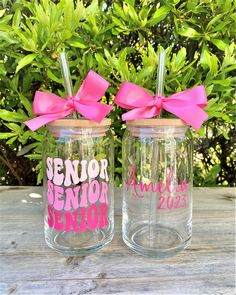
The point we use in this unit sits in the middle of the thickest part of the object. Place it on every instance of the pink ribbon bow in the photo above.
(187, 105)
(51, 107)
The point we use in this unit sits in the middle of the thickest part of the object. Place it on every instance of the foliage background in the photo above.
(120, 40)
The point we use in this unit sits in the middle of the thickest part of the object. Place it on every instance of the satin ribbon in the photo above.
(51, 107)
(187, 105)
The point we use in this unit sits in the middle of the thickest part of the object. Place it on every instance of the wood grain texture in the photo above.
(28, 266)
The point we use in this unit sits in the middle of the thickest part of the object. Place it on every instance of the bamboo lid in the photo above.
(148, 128)
(79, 123)
(78, 128)
(163, 122)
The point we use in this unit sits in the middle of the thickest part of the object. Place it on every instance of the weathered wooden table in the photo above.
(28, 266)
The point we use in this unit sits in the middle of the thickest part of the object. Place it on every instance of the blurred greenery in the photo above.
(119, 40)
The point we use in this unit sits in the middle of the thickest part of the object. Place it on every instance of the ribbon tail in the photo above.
(92, 110)
(187, 111)
(196, 95)
(38, 122)
(141, 113)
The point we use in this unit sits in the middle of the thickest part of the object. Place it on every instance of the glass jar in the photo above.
(78, 166)
(157, 187)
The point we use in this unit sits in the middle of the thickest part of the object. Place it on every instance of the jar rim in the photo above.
(164, 122)
(81, 122)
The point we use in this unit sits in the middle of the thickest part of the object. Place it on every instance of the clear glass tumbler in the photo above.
(78, 165)
(157, 187)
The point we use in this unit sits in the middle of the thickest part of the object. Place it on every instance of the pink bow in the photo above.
(187, 105)
(52, 107)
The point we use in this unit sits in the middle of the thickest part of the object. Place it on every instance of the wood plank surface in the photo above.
(28, 266)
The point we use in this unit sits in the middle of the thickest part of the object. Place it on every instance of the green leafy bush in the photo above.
(120, 40)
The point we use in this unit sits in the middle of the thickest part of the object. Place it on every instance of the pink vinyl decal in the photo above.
(77, 201)
(170, 194)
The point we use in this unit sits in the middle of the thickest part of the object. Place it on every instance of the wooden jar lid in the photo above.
(79, 123)
(157, 122)
(148, 127)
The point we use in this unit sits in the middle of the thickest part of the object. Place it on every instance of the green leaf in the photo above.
(16, 18)
(189, 32)
(100, 156)
(25, 61)
(220, 26)
(209, 89)
(212, 174)
(132, 13)
(118, 22)
(12, 116)
(191, 4)
(144, 12)
(233, 16)
(5, 20)
(209, 60)
(5, 28)
(5, 135)
(201, 131)
(25, 136)
(34, 156)
(40, 176)
(101, 60)
(180, 58)
(119, 11)
(211, 102)
(27, 148)
(227, 5)
(118, 169)
(158, 16)
(14, 127)
(144, 73)
(225, 82)
(78, 43)
(225, 134)
(111, 59)
(21, 36)
(218, 115)
(53, 77)
(7, 37)
(2, 70)
(92, 8)
(2, 12)
(131, 2)
(219, 44)
(11, 140)
(68, 10)
(216, 19)
(26, 103)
